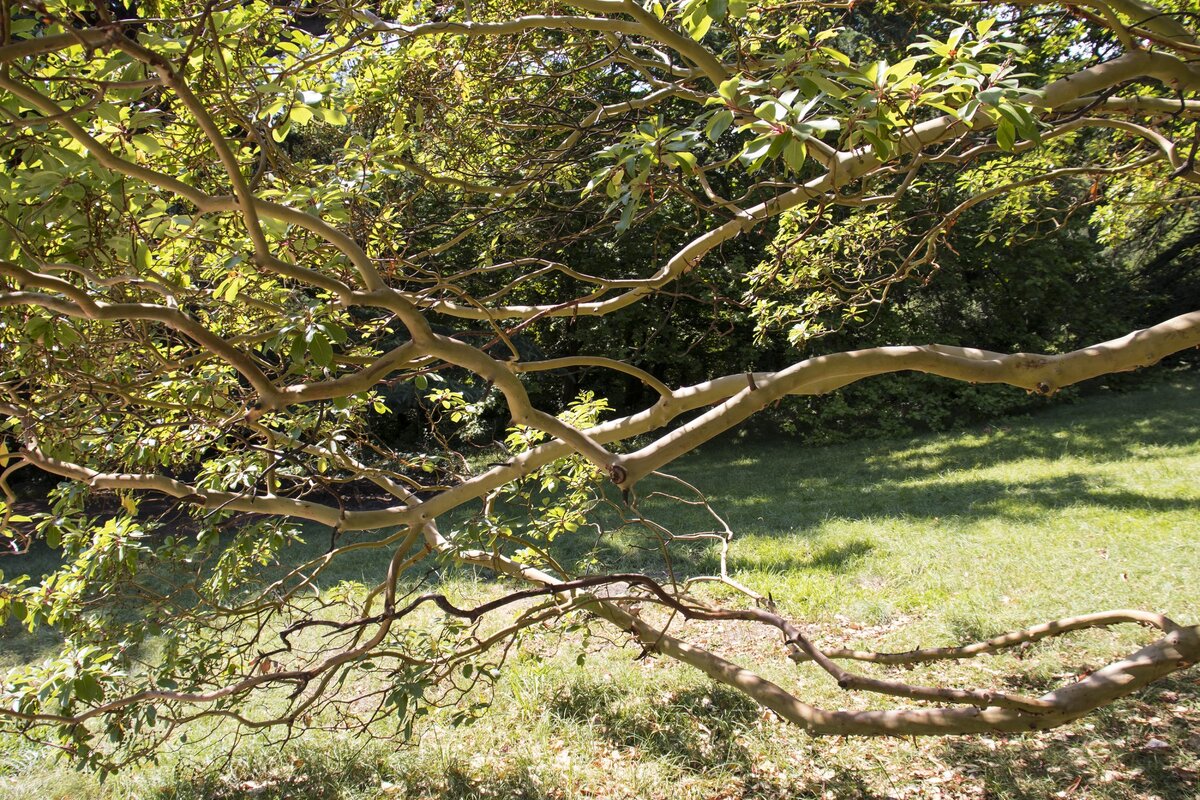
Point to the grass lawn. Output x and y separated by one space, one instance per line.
884 544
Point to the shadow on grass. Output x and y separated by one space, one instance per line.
1137 749
872 495
1098 428
696 728
697 731
784 488
823 557
629 551
329 770
695 735
1102 429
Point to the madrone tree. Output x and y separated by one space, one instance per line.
227 226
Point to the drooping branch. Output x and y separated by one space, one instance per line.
1178 649
1175 651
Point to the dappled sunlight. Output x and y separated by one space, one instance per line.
1048 461
692 728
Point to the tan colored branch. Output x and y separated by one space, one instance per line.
1178 649
1175 651
83 306
594 361
1013 639
41 45
1042 374
1152 18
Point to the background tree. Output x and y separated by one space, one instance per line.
233 231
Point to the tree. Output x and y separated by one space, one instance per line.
229 227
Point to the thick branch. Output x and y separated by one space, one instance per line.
1043 374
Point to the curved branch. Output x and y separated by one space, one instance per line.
1042 374
1178 649
594 361
83 306
1031 635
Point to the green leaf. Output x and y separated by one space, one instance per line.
67 335
301 115
824 124
757 148
332 116
336 333
88 689
881 146
273 227
1006 135
298 349
228 289
771 111
990 96
967 112
686 160
900 71
718 124
320 349
794 154
147 143
956 36
729 88
1010 113
836 55
826 85
627 216
700 24
142 257
109 113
